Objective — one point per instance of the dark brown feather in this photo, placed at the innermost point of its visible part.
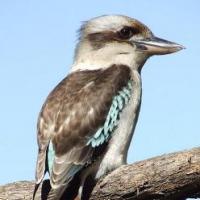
(78, 93)
(72, 113)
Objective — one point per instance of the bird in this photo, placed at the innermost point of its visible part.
(87, 122)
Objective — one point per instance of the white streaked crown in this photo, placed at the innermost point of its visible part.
(105, 23)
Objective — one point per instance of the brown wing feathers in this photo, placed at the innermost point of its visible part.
(74, 111)
(85, 103)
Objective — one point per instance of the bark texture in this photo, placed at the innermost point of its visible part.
(174, 176)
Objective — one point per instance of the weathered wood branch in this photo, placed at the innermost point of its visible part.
(173, 176)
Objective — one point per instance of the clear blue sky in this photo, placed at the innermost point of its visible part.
(37, 40)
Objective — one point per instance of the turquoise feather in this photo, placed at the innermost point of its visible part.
(98, 133)
(103, 133)
(119, 101)
(50, 156)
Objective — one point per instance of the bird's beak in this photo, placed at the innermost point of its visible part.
(157, 46)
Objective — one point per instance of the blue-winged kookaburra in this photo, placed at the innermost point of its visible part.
(87, 122)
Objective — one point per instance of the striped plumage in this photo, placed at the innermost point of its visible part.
(119, 101)
(87, 122)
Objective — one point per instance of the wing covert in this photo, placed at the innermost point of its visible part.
(77, 110)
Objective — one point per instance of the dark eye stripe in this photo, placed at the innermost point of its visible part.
(127, 32)
(100, 39)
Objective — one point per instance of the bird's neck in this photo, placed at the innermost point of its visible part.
(87, 58)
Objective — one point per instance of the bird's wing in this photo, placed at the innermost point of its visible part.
(74, 117)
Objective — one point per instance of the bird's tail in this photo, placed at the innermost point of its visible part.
(41, 190)
(45, 192)
(56, 194)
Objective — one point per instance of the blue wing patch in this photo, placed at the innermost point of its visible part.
(103, 133)
(50, 156)
(119, 101)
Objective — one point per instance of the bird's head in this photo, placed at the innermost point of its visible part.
(117, 39)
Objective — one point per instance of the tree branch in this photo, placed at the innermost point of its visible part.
(173, 176)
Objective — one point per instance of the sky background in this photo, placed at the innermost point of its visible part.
(37, 41)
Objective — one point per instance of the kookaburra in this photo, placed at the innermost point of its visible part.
(86, 124)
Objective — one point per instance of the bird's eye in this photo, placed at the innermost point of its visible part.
(127, 32)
